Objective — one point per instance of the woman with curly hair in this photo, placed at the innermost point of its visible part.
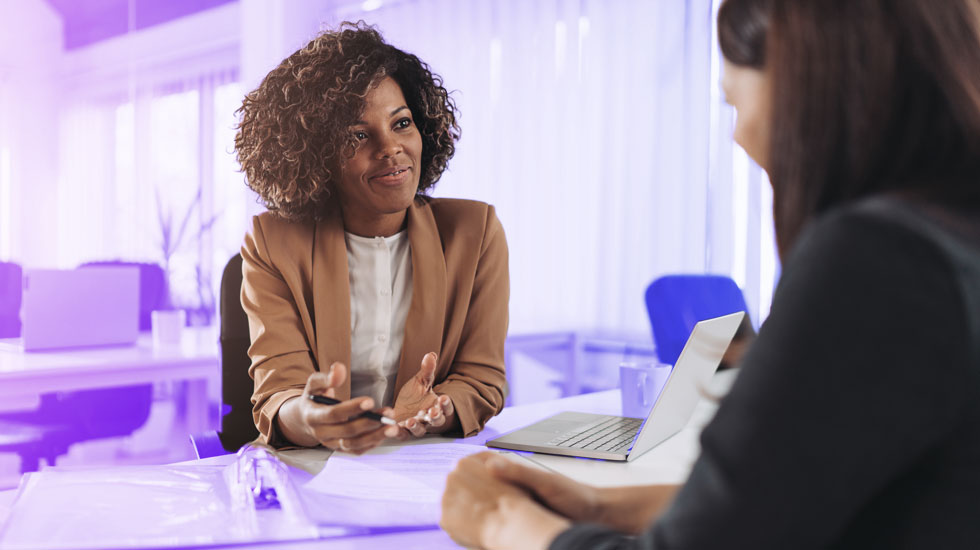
(358, 286)
(855, 420)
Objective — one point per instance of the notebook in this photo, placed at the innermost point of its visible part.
(621, 438)
(92, 306)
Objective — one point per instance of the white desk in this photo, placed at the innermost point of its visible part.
(669, 462)
(24, 376)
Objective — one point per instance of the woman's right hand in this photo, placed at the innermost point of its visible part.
(629, 509)
(576, 501)
(338, 427)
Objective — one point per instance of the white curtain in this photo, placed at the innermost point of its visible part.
(597, 130)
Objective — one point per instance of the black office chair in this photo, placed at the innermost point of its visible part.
(237, 425)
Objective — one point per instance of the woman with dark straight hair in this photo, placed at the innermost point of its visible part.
(855, 420)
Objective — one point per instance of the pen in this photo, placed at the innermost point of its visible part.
(367, 414)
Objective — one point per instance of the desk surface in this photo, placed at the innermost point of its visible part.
(669, 462)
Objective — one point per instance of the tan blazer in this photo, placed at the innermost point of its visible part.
(296, 292)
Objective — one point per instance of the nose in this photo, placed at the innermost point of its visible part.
(389, 146)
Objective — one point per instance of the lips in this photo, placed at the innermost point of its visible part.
(390, 174)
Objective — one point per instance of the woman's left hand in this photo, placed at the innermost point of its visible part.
(418, 408)
(479, 510)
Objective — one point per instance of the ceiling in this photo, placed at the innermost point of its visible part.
(90, 21)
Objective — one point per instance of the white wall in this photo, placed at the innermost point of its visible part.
(30, 51)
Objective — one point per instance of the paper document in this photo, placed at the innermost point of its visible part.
(385, 487)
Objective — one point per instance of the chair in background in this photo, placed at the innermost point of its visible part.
(237, 425)
(675, 303)
(11, 291)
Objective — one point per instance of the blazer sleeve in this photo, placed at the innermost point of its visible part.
(477, 379)
(280, 352)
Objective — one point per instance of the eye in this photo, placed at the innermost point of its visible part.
(360, 136)
(403, 123)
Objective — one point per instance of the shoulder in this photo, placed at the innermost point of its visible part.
(854, 259)
(465, 218)
(272, 228)
(275, 240)
(459, 210)
(873, 233)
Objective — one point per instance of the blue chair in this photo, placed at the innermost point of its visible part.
(676, 303)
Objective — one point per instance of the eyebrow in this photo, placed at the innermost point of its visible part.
(393, 113)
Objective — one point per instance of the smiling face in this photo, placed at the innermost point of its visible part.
(379, 183)
(747, 90)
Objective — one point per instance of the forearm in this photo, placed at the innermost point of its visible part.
(291, 426)
(633, 509)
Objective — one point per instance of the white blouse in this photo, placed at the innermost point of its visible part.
(380, 295)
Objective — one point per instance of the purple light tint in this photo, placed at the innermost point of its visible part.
(90, 21)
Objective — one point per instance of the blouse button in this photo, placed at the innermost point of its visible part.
(382, 338)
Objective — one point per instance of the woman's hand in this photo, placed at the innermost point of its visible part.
(480, 510)
(336, 427)
(628, 509)
(576, 501)
(419, 409)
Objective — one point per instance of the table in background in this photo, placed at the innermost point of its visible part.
(24, 376)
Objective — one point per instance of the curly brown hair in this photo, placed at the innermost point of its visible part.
(294, 135)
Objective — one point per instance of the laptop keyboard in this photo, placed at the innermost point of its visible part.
(611, 433)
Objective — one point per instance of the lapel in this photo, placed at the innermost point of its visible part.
(331, 296)
(426, 316)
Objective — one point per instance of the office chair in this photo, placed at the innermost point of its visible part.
(675, 303)
(237, 425)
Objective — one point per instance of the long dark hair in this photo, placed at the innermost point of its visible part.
(868, 96)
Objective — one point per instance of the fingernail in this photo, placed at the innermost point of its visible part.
(391, 431)
(367, 404)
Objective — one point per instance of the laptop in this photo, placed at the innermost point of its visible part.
(621, 438)
(90, 306)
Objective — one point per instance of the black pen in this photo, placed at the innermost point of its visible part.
(323, 400)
